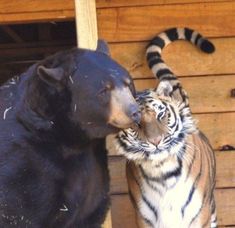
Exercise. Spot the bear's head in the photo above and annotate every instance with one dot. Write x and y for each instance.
(78, 91)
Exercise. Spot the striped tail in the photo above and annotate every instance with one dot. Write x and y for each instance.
(154, 49)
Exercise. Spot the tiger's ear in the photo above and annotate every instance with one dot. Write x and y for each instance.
(54, 77)
(164, 89)
(103, 47)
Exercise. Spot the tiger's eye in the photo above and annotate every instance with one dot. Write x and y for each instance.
(161, 107)
(161, 115)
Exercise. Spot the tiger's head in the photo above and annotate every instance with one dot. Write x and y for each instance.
(164, 125)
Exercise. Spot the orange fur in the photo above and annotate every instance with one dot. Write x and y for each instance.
(201, 155)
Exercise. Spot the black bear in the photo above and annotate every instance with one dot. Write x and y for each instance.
(54, 119)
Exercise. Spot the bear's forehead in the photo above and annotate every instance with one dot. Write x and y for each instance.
(97, 60)
(100, 67)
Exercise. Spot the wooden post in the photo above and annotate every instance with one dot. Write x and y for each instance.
(87, 38)
(108, 220)
(86, 24)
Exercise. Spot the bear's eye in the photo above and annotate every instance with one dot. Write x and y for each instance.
(105, 90)
(162, 112)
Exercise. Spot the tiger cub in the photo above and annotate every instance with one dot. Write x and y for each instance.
(171, 165)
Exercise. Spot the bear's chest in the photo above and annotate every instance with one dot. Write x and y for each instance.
(85, 187)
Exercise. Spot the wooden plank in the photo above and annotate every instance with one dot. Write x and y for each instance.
(123, 212)
(133, 23)
(117, 172)
(206, 94)
(225, 200)
(21, 53)
(41, 16)
(124, 3)
(183, 58)
(218, 127)
(38, 44)
(31, 6)
(225, 173)
(232, 226)
(86, 24)
(142, 23)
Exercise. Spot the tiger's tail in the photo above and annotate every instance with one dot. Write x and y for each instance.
(154, 49)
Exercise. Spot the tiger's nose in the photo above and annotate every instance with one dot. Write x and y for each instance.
(135, 114)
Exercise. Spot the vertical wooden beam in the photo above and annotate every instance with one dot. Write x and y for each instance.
(86, 24)
(87, 37)
(108, 220)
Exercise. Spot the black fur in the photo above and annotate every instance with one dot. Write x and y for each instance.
(53, 161)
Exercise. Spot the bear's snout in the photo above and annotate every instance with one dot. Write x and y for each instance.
(124, 111)
(135, 113)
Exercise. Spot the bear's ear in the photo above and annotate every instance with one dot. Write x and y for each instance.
(103, 47)
(52, 76)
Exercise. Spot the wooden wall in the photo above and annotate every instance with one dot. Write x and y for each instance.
(209, 79)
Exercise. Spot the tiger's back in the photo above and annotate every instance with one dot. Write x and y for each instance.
(171, 165)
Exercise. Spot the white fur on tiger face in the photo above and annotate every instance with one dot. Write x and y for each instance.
(171, 165)
(171, 125)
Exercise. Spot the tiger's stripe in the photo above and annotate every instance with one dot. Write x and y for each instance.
(157, 64)
(193, 172)
(154, 49)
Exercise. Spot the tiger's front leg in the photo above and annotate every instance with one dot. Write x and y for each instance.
(213, 214)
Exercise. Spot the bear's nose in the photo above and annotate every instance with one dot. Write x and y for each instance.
(135, 114)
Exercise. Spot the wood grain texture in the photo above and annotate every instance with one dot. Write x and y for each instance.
(31, 6)
(218, 127)
(124, 212)
(133, 23)
(86, 24)
(206, 94)
(124, 3)
(142, 23)
(41, 16)
(18, 53)
(225, 200)
(225, 174)
(183, 58)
